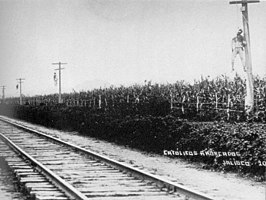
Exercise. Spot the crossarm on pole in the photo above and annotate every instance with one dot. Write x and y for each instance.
(240, 2)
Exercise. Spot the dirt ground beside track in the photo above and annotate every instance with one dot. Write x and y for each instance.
(220, 186)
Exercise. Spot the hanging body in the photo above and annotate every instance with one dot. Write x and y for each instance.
(238, 45)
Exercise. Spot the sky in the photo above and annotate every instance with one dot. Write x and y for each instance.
(118, 42)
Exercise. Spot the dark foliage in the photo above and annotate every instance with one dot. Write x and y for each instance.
(156, 133)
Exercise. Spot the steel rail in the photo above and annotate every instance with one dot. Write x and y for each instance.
(69, 190)
(175, 187)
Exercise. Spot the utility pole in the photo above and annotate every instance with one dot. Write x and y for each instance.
(20, 80)
(3, 93)
(249, 100)
(59, 69)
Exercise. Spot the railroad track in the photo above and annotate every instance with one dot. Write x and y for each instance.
(71, 172)
(33, 183)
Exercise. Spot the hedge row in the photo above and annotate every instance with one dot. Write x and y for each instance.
(156, 134)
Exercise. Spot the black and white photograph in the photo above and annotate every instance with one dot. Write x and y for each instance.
(132, 99)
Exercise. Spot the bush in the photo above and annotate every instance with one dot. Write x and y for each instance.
(157, 133)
